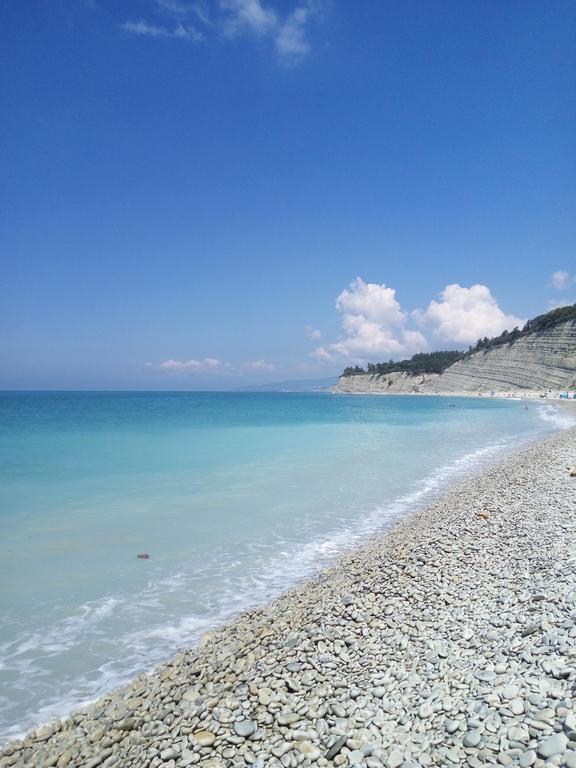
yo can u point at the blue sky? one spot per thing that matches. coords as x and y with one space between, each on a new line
208 194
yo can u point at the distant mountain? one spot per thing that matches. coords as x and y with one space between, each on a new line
298 385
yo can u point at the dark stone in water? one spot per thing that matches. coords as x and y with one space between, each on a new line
143 556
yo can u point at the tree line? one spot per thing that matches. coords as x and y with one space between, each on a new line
423 362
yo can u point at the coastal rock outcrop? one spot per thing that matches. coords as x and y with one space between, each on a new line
388 383
545 360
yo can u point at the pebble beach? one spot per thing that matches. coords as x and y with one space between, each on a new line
449 640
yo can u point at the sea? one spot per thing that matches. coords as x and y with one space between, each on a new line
233 497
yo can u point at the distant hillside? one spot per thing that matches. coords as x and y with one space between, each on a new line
540 356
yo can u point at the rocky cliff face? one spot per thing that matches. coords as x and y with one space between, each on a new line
540 361
544 360
388 384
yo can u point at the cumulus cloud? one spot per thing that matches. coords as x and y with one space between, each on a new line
207 364
313 333
374 326
179 32
260 365
463 315
561 279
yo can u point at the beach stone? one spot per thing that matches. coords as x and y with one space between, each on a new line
244 728
527 758
570 759
553 745
204 738
336 747
347 600
287 718
451 726
395 759
516 706
425 710
308 750
98 759
472 738
44 733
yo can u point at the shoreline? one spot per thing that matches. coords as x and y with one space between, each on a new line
278 682
524 394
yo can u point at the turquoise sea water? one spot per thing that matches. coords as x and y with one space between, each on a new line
234 496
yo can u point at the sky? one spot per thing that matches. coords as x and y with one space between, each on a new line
217 193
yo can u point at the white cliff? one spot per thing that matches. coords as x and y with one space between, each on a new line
542 360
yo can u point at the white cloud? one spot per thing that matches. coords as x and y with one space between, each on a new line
373 324
285 28
370 300
207 364
561 279
313 333
260 365
247 15
463 315
291 43
288 33
181 32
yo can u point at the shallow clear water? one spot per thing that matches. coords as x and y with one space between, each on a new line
234 496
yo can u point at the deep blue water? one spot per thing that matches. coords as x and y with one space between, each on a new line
234 497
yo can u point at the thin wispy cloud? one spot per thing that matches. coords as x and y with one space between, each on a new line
291 42
207 364
173 8
313 333
203 13
178 32
179 10
561 279
287 31
260 365
247 16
